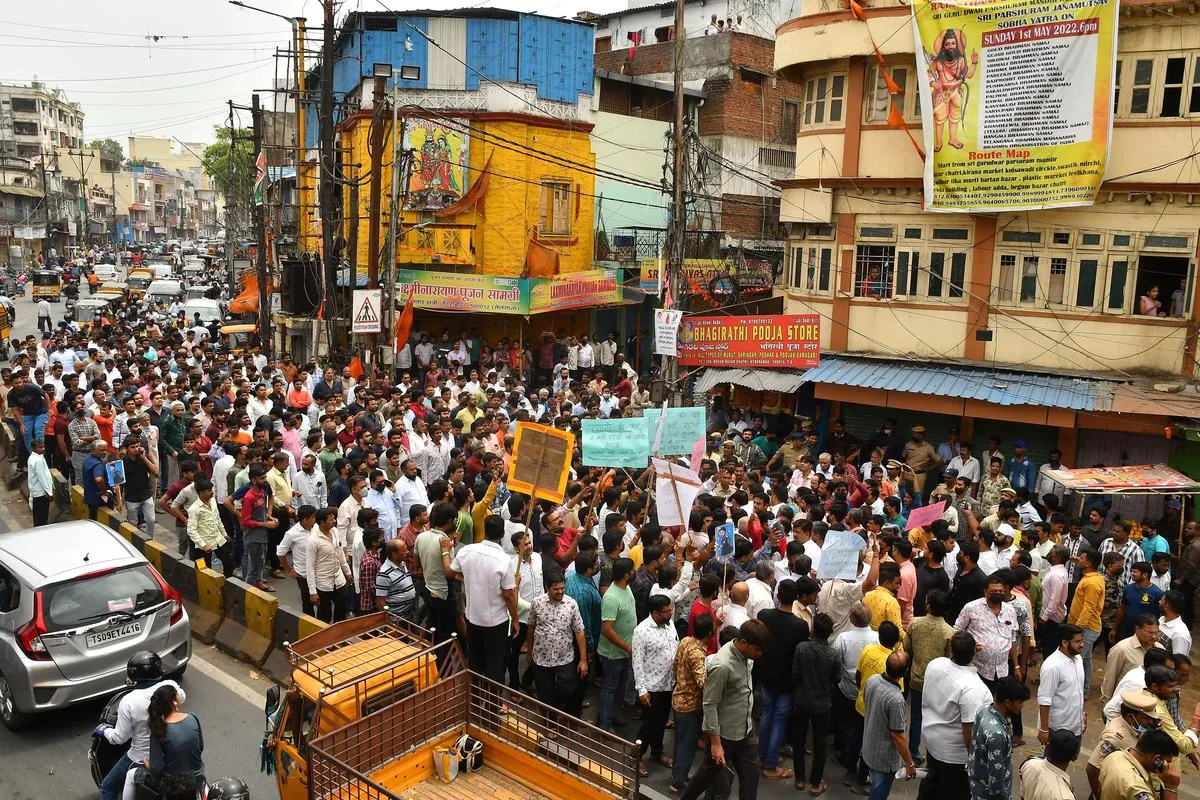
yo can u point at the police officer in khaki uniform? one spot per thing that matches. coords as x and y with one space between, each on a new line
921 458
1145 771
1138 715
1047 778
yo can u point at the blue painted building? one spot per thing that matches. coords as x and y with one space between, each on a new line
474 48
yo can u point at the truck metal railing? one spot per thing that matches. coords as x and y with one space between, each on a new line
307 654
342 761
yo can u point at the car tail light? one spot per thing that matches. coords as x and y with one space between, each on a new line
29 636
170 594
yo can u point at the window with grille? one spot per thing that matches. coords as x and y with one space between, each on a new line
789 120
556 208
774 157
874 267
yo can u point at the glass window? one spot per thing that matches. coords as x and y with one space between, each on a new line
811 271
1167 242
1060 237
837 94
791 111
937 266
1058 280
912 233
1025 237
874 266
958 274
908 266
953 234
1085 291
1121 240
1139 96
879 100
1117 278
1091 239
1029 278
1008 270
1117 88
1194 94
877 232
87 601
1172 91
814 99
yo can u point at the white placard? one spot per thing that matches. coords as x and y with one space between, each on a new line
676 488
666 332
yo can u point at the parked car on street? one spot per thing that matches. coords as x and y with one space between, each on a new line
76 601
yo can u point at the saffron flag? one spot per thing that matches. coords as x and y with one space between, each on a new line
404 323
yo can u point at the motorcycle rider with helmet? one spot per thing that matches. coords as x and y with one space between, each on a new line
228 789
144 674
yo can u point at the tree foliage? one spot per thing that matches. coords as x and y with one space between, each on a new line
109 148
230 164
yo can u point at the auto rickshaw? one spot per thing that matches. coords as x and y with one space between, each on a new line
47 285
5 331
139 281
111 290
240 337
90 309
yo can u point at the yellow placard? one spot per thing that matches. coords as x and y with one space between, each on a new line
1016 101
541 461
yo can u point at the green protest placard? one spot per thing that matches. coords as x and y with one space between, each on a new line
615 442
680 432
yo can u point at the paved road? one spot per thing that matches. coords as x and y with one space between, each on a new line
50 759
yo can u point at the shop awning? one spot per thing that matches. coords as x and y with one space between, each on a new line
1001 387
759 380
1129 399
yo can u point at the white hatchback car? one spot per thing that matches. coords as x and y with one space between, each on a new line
76 601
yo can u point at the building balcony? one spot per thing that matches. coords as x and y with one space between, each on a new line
825 30
448 245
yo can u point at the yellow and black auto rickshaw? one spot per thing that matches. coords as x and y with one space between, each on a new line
47 285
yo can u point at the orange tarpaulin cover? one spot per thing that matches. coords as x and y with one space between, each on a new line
541 261
246 301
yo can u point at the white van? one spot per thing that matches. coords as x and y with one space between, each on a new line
208 310
160 291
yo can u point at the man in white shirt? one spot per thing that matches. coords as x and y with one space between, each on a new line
953 693
410 489
655 641
966 464
133 726
310 483
1044 485
491 593
1173 633
762 592
848 645
1061 691
293 552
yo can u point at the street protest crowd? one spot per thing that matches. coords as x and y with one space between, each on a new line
797 605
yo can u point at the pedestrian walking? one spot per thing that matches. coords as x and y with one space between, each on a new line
953 694
885 728
990 765
816 672
491 594
293 554
328 572
655 641
41 484
728 719
557 646
1061 692
927 638
688 695
617 622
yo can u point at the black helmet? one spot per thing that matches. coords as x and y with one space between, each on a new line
228 789
145 665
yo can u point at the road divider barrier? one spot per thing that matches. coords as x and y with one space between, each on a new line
242 620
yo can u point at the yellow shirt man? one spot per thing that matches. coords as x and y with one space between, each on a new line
1088 602
872 661
884 607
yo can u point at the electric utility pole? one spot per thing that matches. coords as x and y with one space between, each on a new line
673 264
327 159
260 230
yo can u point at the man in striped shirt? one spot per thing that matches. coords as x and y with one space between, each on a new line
394 589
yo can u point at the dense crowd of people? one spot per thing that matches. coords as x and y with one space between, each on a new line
374 495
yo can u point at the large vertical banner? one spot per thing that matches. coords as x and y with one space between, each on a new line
1016 101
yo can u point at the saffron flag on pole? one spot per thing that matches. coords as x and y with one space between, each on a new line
404 323
260 178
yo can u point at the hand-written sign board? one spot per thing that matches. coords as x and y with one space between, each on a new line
615 442
541 461
839 555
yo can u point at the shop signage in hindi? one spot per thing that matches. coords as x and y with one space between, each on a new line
785 341
1017 110
502 294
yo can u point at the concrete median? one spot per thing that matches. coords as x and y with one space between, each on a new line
154 552
248 630
207 610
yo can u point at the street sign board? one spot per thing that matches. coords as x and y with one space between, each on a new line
365 314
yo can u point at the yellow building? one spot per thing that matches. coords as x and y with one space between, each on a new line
1017 325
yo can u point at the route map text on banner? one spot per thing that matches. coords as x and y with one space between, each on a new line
1016 101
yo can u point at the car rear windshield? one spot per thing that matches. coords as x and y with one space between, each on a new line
88 600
